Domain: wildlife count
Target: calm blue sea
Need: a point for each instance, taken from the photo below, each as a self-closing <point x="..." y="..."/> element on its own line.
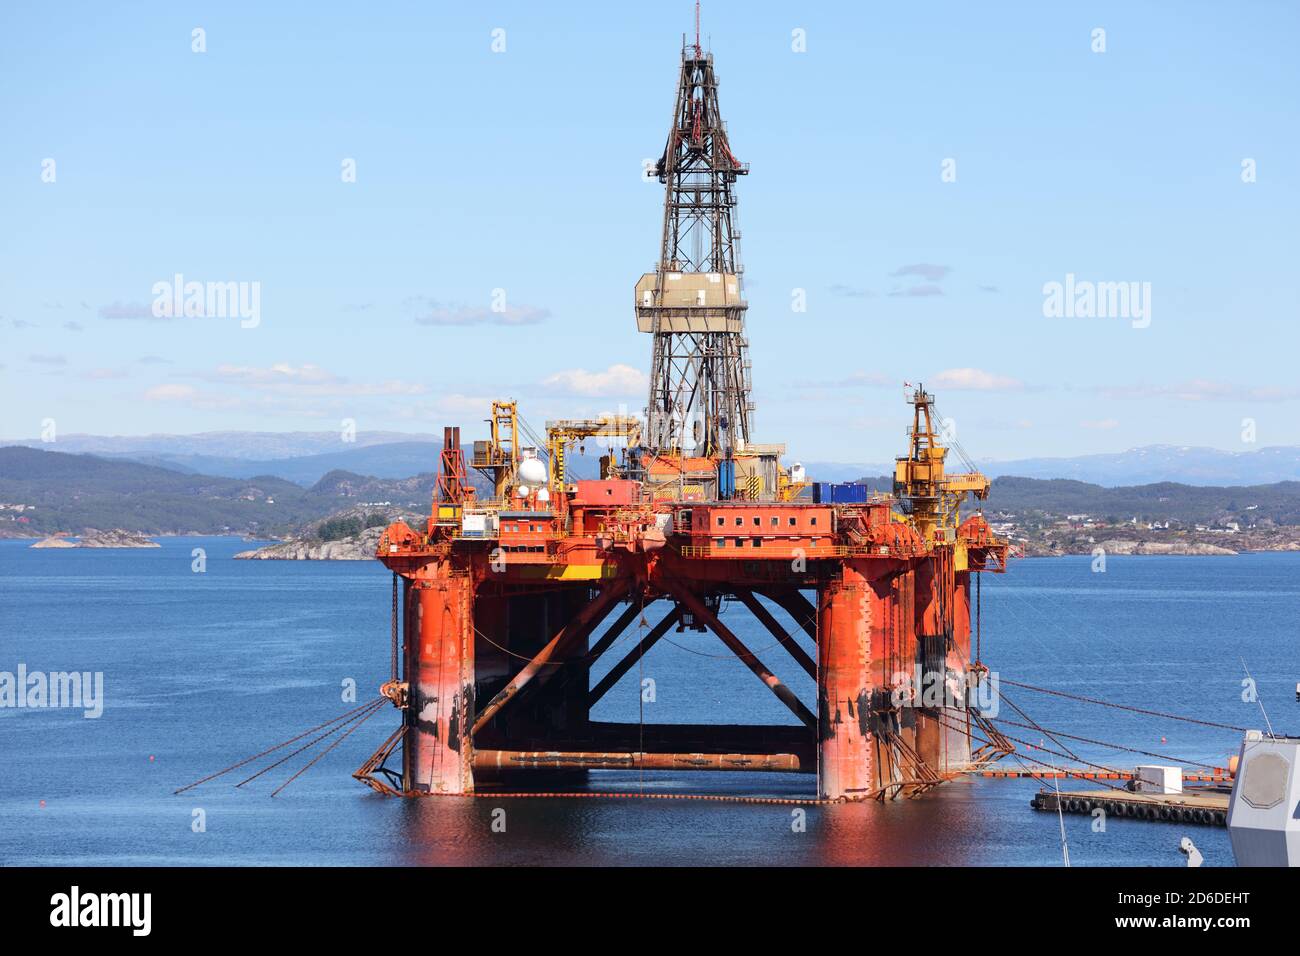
<point x="202" y="669"/>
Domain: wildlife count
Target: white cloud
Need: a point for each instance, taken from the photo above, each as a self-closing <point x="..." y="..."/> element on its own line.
<point x="1101" y="424"/>
<point x="279" y="373"/>
<point x="917" y="291"/>
<point x="617" y="380"/>
<point x="171" y="393"/>
<point x="431" y="312"/>
<point x="974" y="379"/>
<point x="926" y="270"/>
<point x="448" y="409"/>
<point x="306" y="380"/>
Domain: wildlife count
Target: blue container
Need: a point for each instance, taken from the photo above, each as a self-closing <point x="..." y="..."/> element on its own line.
<point x="823" y="492"/>
<point x="726" y="479"/>
<point x="849" y="492"/>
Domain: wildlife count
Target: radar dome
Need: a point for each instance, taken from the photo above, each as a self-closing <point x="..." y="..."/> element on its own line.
<point x="532" y="471"/>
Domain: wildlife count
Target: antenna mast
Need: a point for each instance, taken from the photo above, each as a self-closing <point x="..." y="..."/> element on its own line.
<point x="1258" y="699"/>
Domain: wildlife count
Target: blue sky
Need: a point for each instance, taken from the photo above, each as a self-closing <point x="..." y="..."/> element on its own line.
<point x="521" y="171"/>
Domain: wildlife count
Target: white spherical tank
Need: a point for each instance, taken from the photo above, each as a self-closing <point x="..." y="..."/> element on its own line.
<point x="532" y="472"/>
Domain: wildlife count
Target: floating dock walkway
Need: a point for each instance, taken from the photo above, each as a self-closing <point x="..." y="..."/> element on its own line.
<point x="1209" y="807"/>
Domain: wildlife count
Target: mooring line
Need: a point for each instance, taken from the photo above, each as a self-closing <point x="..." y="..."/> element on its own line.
<point x="1111" y="746"/>
<point x="1136" y="710"/>
<point x="1038" y="774"/>
<point x="359" y="721"/>
<point x="372" y="707"/>
<point x="619" y="795"/>
<point x="1035" y="725"/>
<point x="271" y="750"/>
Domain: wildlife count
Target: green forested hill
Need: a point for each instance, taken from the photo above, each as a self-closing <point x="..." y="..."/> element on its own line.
<point x="1277" y="503"/>
<point x="1164" y="501"/>
<point x="73" y="492"/>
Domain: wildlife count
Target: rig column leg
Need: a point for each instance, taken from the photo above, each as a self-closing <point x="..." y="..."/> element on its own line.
<point x="943" y="654"/>
<point x="931" y="655"/>
<point x="958" y="743"/>
<point x="844" y="764"/>
<point x="438" y="750"/>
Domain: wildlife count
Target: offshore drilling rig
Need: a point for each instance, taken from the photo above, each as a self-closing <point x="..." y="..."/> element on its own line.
<point x="498" y="598"/>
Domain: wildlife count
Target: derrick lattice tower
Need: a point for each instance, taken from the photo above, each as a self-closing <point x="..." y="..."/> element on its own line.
<point x="693" y="303"/>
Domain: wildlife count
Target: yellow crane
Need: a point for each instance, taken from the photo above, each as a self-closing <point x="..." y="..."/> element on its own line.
<point x="498" y="458"/>
<point x="563" y="433"/>
<point x="920" y="477"/>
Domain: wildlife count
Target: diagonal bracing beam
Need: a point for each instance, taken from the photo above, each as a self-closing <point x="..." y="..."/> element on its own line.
<point x="789" y="643"/>
<point x="797" y="606"/>
<point x="737" y="647"/>
<point x="614" y="630"/>
<point x="607" y="639"/>
<point x="572" y="631"/>
<point x="622" y="667"/>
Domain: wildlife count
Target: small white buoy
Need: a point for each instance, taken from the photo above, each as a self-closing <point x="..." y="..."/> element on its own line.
<point x="1188" y="849"/>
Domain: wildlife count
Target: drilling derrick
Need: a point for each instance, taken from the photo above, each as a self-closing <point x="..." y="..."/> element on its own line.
<point x="693" y="303"/>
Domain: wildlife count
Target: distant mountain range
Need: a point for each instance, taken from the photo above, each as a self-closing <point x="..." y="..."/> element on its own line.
<point x="232" y="444"/>
<point x="392" y="460"/>
<point x="1137" y="466"/>
<point x="43" y="492"/>
<point x="301" y="457"/>
<point x="1155" y="463"/>
<point x="1275" y="503"/>
<point x="304" y="457"/>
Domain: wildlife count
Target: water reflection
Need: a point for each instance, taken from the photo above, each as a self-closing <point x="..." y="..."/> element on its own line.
<point x="457" y="831"/>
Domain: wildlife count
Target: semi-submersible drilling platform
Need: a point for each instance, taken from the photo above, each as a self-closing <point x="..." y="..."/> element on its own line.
<point x="500" y="597"/>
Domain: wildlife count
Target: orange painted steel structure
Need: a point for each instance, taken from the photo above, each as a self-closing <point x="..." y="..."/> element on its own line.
<point x="501" y="598"/>
<point x="498" y="650"/>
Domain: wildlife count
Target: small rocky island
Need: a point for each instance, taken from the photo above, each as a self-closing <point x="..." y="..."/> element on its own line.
<point x="349" y="536"/>
<point x="1128" y="546"/>
<point x="116" y="538"/>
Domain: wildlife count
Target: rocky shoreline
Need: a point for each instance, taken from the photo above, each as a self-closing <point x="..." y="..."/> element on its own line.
<point x="99" y="539"/>
<point x="360" y="547"/>
<point x="346" y="550"/>
<point x="1167" y="543"/>
<point x="1125" y="546"/>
